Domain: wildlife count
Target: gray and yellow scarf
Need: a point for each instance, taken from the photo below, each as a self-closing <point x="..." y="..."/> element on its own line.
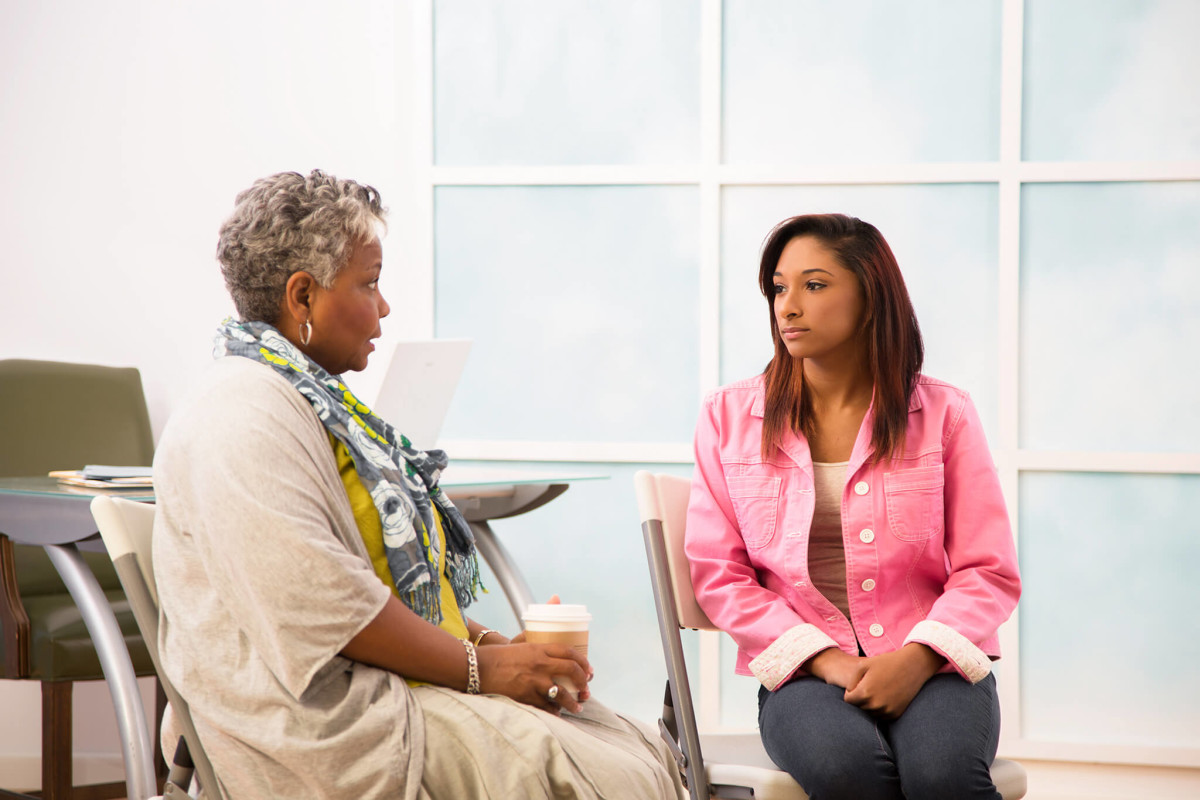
<point x="401" y="480"/>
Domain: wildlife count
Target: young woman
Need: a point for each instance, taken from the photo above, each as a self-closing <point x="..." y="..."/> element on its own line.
<point x="846" y="527"/>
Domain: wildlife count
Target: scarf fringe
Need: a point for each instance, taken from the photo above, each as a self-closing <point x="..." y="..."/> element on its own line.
<point x="424" y="601"/>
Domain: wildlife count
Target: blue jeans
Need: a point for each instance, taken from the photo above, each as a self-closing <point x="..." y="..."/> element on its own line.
<point x="941" y="747"/>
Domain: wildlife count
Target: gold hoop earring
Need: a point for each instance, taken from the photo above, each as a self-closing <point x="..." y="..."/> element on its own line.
<point x="305" y="332"/>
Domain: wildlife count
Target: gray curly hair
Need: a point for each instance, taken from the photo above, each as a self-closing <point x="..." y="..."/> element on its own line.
<point x="287" y="223"/>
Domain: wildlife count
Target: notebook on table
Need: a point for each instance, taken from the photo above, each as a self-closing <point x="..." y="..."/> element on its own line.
<point x="419" y="384"/>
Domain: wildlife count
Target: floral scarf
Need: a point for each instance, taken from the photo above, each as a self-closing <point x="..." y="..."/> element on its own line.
<point x="401" y="480"/>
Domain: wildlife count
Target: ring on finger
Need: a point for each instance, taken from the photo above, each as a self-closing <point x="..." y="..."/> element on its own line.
<point x="553" y="692"/>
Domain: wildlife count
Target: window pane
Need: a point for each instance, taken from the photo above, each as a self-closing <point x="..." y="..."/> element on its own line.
<point x="739" y="693"/>
<point x="566" y="81"/>
<point x="587" y="547"/>
<point x="944" y="237"/>
<point x="1109" y="632"/>
<point x="872" y="80"/>
<point x="583" y="306"/>
<point x="1110" y="316"/>
<point x="1111" y="80"/>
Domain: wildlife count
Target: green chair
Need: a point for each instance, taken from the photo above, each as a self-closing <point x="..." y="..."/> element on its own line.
<point x="63" y="416"/>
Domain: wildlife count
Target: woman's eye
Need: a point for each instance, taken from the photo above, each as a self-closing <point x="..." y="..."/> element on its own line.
<point x="373" y="285"/>
<point x="779" y="288"/>
<point x="813" y="286"/>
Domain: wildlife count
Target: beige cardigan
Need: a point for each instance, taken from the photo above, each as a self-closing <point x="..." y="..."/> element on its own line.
<point x="263" y="579"/>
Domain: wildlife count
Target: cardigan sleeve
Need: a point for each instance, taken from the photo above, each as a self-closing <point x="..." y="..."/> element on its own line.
<point x="251" y="483"/>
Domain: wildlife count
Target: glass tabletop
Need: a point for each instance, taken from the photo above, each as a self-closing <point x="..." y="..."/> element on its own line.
<point x="453" y="478"/>
<point x="50" y="487"/>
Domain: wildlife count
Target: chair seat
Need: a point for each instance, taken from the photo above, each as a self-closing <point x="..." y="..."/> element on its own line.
<point x="1010" y="778"/>
<point x="739" y="759"/>
<point x="61" y="648"/>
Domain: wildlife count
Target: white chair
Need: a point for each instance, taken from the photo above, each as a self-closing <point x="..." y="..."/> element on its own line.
<point x="726" y="765"/>
<point x="126" y="527"/>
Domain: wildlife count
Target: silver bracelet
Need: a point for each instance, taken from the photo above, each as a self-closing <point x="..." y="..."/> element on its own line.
<point x="480" y="635"/>
<point x="472" y="667"/>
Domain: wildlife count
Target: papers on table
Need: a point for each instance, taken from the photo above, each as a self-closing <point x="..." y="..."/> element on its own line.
<point x="101" y="476"/>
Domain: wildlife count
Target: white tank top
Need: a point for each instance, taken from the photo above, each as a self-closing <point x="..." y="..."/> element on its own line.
<point x="826" y="551"/>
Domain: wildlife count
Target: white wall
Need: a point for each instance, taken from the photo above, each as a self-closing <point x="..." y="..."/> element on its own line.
<point x="126" y="130"/>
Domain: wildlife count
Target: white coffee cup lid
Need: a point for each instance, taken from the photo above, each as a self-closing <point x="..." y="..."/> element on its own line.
<point x="556" y="612"/>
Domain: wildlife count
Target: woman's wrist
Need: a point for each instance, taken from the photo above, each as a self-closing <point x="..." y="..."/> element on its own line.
<point x="820" y="665"/>
<point x="472" y="667"/>
<point x="487" y="636"/>
<point x="923" y="658"/>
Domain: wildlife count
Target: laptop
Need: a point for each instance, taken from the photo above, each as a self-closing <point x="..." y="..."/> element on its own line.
<point x="419" y="385"/>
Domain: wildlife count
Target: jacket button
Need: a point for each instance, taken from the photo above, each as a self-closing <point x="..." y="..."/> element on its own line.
<point x="868" y="585"/>
<point x="861" y="487"/>
<point x="867" y="535"/>
<point x="875" y="630"/>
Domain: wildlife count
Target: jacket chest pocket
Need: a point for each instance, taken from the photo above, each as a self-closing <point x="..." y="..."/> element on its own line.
<point x="755" y="501"/>
<point x="915" y="502"/>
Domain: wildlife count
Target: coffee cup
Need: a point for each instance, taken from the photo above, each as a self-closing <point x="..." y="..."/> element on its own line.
<point x="554" y="623"/>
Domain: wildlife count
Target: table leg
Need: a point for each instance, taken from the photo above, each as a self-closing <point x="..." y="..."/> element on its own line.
<point x="118" y="669"/>
<point x="511" y="581"/>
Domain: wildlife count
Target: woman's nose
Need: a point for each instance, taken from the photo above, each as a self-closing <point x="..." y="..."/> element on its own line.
<point x="384" y="308"/>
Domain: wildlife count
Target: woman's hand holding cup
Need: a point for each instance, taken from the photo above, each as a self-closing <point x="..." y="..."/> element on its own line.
<point x="558" y="624"/>
<point x="531" y="673"/>
<point x="560" y="635"/>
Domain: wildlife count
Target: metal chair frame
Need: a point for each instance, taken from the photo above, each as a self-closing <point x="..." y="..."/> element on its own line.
<point x="126" y="527"/>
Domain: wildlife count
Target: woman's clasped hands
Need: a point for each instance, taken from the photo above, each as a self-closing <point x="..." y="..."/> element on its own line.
<point x="884" y="684"/>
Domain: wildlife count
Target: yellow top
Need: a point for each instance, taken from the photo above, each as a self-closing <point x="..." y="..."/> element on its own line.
<point x="367" y="517"/>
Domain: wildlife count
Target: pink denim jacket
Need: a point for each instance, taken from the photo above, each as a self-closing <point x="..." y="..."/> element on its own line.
<point x="929" y="548"/>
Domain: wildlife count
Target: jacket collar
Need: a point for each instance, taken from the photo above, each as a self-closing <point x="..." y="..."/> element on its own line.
<point x="758" y="408"/>
<point x="796" y="447"/>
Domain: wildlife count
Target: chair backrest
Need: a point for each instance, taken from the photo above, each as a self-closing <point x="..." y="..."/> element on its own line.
<point x="662" y="504"/>
<point x="665" y="498"/>
<point x="64" y="416"/>
<point x="56" y="415"/>
<point x="127" y="528"/>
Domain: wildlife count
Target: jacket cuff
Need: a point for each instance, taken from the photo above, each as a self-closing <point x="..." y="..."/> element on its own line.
<point x="775" y="665"/>
<point x="970" y="662"/>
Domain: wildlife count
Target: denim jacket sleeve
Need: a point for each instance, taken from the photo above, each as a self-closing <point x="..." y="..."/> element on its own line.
<point x="982" y="585"/>
<point x="725" y="582"/>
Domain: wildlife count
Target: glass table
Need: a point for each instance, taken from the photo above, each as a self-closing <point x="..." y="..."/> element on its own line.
<point x="40" y="511"/>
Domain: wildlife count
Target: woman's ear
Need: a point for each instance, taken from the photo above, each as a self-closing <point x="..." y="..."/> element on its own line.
<point x="297" y="298"/>
<point x="295" y="308"/>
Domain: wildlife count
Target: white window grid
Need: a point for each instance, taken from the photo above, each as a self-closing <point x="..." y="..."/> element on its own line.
<point x="1009" y="173"/>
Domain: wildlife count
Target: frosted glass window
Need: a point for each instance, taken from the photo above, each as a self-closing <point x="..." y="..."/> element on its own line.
<point x="583" y="306"/>
<point x="1110" y="316"/>
<point x="587" y="547"/>
<point x="1108" y="616"/>
<point x="809" y="81"/>
<point x="945" y="239"/>
<point x="1111" y="80"/>
<point x="566" y="81"/>
<point x="739" y="693"/>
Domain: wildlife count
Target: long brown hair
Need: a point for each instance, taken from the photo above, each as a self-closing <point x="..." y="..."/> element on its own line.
<point x="894" y="345"/>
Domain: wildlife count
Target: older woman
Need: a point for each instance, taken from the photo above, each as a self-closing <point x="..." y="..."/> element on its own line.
<point x="312" y="575"/>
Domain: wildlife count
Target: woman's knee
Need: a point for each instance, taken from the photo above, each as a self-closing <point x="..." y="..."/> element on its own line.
<point x="867" y="774"/>
<point x="948" y="779"/>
